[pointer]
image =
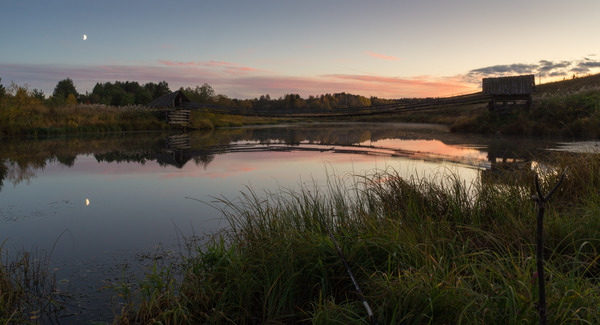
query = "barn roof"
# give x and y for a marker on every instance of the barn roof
(174, 99)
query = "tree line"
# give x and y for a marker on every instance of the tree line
(125, 93)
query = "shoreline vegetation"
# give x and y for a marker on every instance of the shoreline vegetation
(423, 251)
(569, 109)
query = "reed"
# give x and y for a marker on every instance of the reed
(423, 251)
(28, 291)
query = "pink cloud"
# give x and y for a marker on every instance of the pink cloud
(205, 64)
(381, 56)
(180, 64)
(220, 63)
(234, 80)
(366, 85)
(228, 67)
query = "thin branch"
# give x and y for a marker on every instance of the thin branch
(372, 317)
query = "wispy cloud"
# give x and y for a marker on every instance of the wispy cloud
(544, 68)
(248, 83)
(238, 81)
(382, 56)
(229, 67)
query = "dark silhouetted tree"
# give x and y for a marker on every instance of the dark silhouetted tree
(204, 94)
(157, 90)
(63, 89)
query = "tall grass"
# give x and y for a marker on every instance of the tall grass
(422, 251)
(568, 115)
(27, 290)
(34, 118)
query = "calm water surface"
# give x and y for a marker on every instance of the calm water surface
(103, 205)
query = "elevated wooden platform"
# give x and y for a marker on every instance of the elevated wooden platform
(509, 92)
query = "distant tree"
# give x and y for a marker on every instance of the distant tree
(39, 94)
(63, 89)
(142, 96)
(122, 93)
(207, 92)
(120, 97)
(201, 94)
(71, 100)
(162, 89)
(2, 90)
(223, 100)
(99, 95)
(21, 97)
(157, 90)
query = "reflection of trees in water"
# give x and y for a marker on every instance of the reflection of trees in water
(119, 157)
(3, 173)
(67, 160)
(15, 173)
(204, 159)
(22, 158)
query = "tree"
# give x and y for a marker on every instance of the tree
(39, 94)
(63, 89)
(2, 90)
(142, 96)
(71, 100)
(223, 100)
(157, 90)
(201, 94)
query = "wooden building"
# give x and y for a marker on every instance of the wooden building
(508, 92)
(176, 106)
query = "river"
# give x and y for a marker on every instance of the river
(102, 207)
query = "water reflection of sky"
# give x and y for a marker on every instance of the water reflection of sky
(137, 206)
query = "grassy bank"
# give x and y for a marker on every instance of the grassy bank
(23, 114)
(33, 118)
(204, 119)
(423, 252)
(568, 109)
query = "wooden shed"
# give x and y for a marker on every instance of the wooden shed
(509, 90)
(176, 105)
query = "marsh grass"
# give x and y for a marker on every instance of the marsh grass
(28, 291)
(34, 118)
(422, 252)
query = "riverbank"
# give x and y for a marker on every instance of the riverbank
(35, 119)
(422, 252)
(568, 109)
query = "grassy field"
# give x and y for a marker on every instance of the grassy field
(422, 252)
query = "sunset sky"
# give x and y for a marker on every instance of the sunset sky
(245, 49)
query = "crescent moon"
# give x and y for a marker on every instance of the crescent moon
(84, 37)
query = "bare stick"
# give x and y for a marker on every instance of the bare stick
(541, 201)
(372, 317)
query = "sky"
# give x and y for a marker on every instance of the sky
(245, 49)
